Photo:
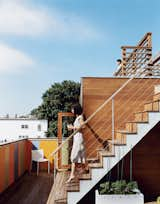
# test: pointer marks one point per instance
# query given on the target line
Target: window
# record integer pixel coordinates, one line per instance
(24, 126)
(39, 127)
(23, 136)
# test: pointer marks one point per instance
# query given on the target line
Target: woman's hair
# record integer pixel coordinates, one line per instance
(77, 109)
(119, 60)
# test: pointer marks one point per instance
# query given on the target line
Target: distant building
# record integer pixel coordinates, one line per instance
(22, 127)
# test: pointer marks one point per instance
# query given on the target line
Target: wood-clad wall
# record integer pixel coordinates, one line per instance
(14, 161)
(96, 90)
(131, 99)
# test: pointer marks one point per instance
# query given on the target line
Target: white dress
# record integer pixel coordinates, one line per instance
(78, 153)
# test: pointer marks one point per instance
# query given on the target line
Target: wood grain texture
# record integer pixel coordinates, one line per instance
(130, 100)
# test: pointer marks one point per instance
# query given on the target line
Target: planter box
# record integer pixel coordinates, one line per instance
(119, 199)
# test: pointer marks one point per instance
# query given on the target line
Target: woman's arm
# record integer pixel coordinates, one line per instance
(81, 122)
(70, 127)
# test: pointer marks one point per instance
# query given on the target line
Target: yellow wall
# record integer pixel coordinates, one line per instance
(48, 146)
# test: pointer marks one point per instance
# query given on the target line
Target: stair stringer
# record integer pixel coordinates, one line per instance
(110, 162)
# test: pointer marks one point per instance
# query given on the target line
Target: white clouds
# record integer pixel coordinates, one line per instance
(22, 18)
(13, 61)
(17, 18)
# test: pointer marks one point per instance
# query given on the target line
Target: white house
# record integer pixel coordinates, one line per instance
(18, 128)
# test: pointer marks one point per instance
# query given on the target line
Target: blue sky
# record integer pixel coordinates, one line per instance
(47, 41)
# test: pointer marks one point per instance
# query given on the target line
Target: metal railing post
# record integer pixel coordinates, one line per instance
(131, 160)
(112, 122)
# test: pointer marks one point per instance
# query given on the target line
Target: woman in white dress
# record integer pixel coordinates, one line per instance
(78, 152)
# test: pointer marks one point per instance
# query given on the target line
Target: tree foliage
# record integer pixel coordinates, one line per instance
(58, 98)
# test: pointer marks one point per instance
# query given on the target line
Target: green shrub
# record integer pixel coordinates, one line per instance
(119, 187)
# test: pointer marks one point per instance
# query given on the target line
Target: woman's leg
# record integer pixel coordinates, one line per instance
(72, 175)
(73, 166)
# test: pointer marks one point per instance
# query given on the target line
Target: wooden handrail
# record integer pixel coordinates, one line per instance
(155, 59)
(135, 47)
(146, 36)
(91, 116)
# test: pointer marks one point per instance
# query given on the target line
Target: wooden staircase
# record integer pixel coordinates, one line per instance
(125, 140)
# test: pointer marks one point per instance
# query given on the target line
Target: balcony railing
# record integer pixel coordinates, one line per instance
(15, 158)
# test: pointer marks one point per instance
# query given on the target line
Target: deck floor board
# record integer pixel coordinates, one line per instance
(29, 189)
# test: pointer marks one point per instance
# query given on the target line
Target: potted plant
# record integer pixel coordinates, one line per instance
(120, 192)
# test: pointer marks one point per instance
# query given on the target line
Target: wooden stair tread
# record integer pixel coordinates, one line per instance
(63, 201)
(156, 96)
(117, 142)
(145, 111)
(106, 153)
(157, 100)
(92, 160)
(104, 149)
(85, 176)
(120, 144)
(125, 132)
(158, 93)
(137, 122)
(95, 165)
(73, 186)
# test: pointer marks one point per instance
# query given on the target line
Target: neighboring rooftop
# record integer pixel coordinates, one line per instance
(21, 117)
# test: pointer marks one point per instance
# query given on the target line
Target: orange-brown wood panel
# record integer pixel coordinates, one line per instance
(11, 164)
(2, 169)
(28, 148)
(131, 99)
